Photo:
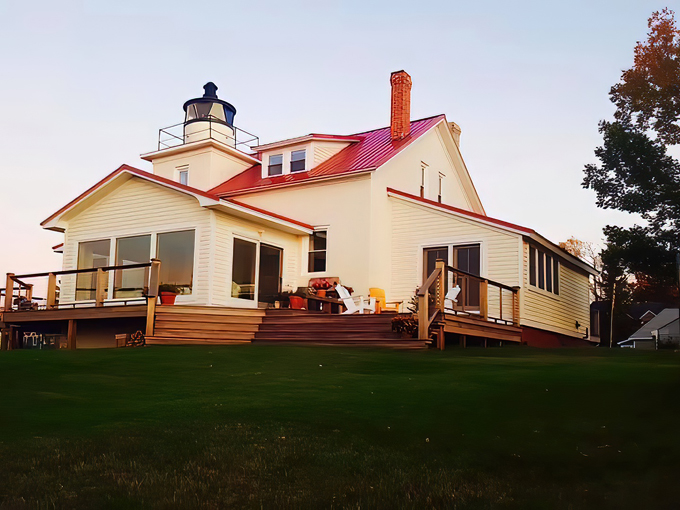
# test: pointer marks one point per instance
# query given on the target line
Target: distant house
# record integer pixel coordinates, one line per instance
(233, 226)
(663, 327)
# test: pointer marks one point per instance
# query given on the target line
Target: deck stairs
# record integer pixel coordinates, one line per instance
(301, 327)
(206, 325)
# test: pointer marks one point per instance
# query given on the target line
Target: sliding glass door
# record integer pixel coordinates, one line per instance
(256, 271)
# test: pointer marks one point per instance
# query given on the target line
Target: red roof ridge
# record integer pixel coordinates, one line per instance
(388, 127)
(465, 212)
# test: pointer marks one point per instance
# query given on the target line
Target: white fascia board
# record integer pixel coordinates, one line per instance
(301, 139)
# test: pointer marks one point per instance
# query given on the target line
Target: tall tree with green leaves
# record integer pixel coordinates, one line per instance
(636, 173)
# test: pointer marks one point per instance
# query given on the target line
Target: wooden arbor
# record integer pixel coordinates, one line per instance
(52, 310)
(494, 317)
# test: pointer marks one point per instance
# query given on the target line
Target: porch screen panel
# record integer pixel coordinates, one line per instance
(91, 254)
(176, 253)
(129, 283)
(243, 269)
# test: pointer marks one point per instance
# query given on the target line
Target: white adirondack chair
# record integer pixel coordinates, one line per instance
(355, 304)
(451, 297)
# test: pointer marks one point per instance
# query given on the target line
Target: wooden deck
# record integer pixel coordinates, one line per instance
(479, 328)
(64, 314)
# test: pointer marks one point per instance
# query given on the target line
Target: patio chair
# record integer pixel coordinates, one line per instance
(355, 304)
(383, 304)
(451, 297)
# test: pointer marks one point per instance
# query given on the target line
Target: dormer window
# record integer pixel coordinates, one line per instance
(297, 161)
(275, 164)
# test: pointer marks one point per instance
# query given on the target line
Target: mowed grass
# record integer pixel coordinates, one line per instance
(299, 427)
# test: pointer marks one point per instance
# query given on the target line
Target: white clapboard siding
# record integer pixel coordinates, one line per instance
(324, 151)
(557, 313)
(139, 207)
(226, 227)
(415, 226)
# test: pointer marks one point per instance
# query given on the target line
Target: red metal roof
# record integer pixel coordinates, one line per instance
(471, 214)
(373, 149)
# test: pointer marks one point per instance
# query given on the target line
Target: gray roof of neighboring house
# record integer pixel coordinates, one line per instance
(663, 318)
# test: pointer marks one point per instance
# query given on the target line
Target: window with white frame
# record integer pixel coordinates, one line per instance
(275, 164)
(176, 253)
(129, 283)
(317, 251)
(441, 187)
(183, 174)
(91, 254)
(423, 179)
(544, 270)
(297, 161)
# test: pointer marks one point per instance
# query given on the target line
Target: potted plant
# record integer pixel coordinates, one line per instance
(321, 286)
(168, 293)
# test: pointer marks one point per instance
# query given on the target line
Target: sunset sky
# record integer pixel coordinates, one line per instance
(85, 86)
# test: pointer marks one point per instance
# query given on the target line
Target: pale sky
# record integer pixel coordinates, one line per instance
(85, 86)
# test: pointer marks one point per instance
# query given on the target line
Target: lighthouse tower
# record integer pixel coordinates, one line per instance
(202, 151)
(209, 117)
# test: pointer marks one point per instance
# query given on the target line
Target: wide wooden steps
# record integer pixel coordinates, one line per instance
(314, 328)
(204, 325)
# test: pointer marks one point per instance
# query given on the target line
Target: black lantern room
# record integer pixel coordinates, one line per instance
(209, 108)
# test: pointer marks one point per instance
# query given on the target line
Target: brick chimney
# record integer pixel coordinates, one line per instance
(400, 123)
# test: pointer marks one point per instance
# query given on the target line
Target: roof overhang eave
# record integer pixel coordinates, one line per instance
(261, 217)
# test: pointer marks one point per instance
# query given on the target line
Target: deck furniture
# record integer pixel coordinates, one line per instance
(325, 303)
(451, 297)
(297, 303)
(356, 304)
(382, 305)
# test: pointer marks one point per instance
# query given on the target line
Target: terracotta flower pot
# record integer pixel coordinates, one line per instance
(321, 292)
(168, 298)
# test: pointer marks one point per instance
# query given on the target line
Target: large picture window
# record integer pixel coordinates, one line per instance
(243, 269)
(317, 252)
(544, 270)
(132, 282)
(176, 253)
(91, 254)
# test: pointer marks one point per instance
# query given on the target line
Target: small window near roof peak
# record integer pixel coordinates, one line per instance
(297, 160)
(275, 164)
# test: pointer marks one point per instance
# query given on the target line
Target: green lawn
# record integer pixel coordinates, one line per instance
(273, 426)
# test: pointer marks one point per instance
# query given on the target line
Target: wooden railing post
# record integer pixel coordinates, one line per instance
(441, 284)
(500, 302)
(100, 289)
(484, 299)
(29, 292)
(9, 292)
(51, 291)
(423, 316)
(515, 306)
(152, 296)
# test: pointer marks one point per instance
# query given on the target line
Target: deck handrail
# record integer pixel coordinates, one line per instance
(439, 279)
(78, 271)
(101, 283)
